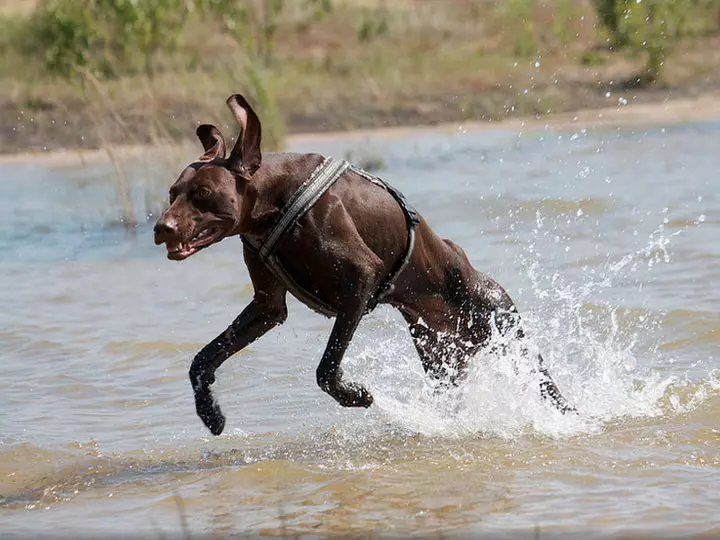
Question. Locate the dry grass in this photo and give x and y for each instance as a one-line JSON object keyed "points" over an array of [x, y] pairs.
{"points": [[17, 6], [439, 60]]}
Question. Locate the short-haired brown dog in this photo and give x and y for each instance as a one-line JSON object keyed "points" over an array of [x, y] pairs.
{"points": [[341, 248]]}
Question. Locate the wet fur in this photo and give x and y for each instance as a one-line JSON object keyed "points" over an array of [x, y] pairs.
{"points": [[342, 250]]}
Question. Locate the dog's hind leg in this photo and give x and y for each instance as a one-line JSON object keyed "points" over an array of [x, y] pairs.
{"points": [[549, 391], [441, 357], [492, 306], [548, 388], [426, 344]]}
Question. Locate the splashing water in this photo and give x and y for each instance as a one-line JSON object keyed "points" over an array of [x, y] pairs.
{"points": [[590, 354]]}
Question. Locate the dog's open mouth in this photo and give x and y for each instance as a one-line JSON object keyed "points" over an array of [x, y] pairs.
{"points": [[178, 251]]}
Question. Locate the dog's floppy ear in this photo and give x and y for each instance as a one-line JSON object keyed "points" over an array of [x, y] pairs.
{"points": [[245, 157], [213, 142]]}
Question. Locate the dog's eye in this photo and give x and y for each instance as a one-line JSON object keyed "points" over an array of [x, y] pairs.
{"points": [[203, 193]]}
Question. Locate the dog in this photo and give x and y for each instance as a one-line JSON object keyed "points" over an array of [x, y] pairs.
{"points": [[341, 248]]}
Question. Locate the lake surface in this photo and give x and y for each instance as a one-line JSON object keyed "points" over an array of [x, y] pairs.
{"points": [[607, 239]]}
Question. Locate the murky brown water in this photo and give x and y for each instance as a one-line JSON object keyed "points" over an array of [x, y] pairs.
{"points": [[608, 241]]}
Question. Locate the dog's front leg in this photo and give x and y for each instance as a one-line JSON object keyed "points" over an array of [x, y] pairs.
{"points": [[329, 373], [267, 310], [255, 320]]}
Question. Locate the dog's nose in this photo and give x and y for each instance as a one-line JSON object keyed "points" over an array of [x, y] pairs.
{"points": [[165, 229]]}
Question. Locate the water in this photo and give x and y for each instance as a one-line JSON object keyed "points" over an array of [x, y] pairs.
{"points": [[608, 241]]}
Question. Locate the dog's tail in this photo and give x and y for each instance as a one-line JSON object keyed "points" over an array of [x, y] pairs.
{"points": [[549, 390]]}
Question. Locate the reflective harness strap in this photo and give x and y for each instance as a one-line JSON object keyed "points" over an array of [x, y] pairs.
{"points": [[303, 200], [321, 179]]}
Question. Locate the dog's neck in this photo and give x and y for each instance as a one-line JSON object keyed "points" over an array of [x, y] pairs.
{"points": [[266, 193], [259, 212]]}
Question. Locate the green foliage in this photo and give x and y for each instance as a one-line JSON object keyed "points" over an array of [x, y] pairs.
{"points": [[318, 9], [373, 24], [323, 71], [562, 27], [65, 33], [591, 58], [656, 41], [651, 26], [637, 27], [254, 24], [610, 14], [12, 30], [105, 36], [520, 14], [262, 94], [139, 29]]}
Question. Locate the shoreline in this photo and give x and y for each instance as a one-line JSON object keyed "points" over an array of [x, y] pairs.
{"points": [[704, 108]]}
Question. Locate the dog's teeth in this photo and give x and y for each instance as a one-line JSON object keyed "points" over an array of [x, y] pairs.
{"points": [[202, 234]]}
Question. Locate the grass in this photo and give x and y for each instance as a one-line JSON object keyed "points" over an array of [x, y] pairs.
{"points": [[369, 63]]}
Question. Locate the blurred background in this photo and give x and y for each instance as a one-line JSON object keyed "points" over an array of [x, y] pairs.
{"points": [[95, 72]]}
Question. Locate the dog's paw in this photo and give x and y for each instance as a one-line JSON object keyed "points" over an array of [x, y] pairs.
{"points": [[215, 421], [356, 395], [565, 409], [209, 412]]}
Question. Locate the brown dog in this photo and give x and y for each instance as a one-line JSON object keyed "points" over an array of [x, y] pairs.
{"points": [[357, 244]]}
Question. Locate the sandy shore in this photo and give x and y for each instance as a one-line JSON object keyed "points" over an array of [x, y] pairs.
{"points": [[703, 108]]}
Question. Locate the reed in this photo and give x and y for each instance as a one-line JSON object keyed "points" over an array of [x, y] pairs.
{"points": [[180, 503]]}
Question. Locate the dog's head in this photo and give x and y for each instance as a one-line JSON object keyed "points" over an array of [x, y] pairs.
{"points": [[206, 201]]}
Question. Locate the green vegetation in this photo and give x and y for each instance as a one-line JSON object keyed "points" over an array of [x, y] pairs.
{"points": [[107, 37], [254, 25], [100, 72], [653, 26]]}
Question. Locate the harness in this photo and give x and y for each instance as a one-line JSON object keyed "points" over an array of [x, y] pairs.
{"points": [[321, 179]]}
